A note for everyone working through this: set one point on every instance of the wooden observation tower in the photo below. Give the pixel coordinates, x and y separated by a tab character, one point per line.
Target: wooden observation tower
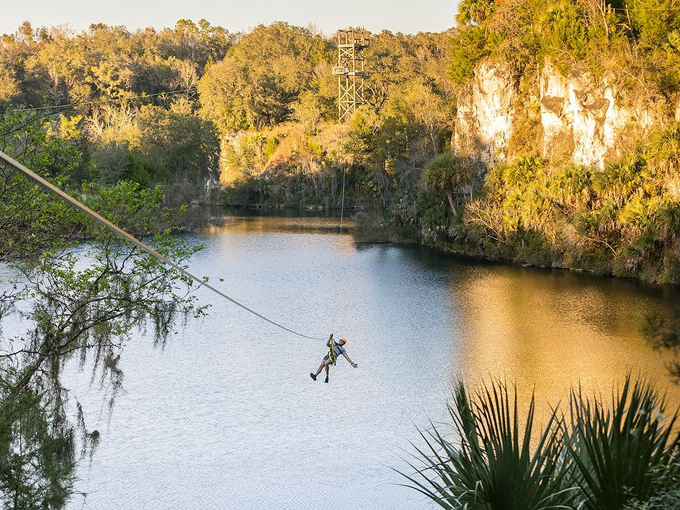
350	70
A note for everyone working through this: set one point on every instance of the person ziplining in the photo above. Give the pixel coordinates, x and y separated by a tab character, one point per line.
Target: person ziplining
334	351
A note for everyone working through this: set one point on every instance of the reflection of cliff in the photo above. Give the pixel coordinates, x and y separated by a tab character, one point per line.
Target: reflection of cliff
293	225
579	116
548	332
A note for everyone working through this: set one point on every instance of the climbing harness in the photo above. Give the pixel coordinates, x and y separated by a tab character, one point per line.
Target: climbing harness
332	357
128	237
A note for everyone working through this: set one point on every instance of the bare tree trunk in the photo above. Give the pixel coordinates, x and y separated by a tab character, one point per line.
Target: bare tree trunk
449	195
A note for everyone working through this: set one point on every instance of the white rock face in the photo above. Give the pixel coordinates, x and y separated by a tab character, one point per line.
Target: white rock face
485	111
577	112
582	120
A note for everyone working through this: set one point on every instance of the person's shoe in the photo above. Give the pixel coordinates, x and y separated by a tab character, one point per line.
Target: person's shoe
311	374
326	379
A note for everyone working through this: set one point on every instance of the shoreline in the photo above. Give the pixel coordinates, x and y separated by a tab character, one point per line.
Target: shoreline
386	235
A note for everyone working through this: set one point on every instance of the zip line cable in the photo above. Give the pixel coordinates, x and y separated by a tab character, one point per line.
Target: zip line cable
342	214
64	106
101	101
122	233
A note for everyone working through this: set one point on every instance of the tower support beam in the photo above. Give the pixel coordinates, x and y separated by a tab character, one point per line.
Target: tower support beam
350	70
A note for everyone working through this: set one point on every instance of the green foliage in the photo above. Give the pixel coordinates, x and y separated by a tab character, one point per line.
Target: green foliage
248	191
621	220
248	153
119	124
449	174
474	12
321	189
387	142
665	490
430	213
641	34
495	467
468	47
615	449
398	62
653	21
124	128
70	310
36	451
183	146
389	146
564	27
601	458
29	219
56	66
259	82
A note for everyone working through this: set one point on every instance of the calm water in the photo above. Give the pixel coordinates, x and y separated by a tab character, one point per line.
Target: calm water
227	417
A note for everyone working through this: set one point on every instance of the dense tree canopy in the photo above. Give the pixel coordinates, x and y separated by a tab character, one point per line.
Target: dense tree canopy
262	77
57	66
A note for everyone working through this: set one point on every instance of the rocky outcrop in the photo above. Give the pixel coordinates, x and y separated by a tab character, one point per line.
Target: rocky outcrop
588	116
582	119
485	113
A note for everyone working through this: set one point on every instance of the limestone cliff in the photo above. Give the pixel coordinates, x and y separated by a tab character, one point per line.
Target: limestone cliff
485	113
582	119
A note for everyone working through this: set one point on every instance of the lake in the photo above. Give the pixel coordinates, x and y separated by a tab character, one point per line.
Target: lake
227	417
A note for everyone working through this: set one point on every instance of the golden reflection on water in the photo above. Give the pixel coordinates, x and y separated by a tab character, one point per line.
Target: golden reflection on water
292	225
276	224
548	331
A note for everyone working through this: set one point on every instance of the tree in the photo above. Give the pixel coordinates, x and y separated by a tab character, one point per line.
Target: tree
474	12
450	174
9	87
261	78
62	57
201	44
70	311
182	146
429	109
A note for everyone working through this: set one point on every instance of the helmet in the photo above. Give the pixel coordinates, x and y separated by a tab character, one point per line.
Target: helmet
343	340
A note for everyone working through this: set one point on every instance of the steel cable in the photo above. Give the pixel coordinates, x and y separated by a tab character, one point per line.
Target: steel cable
123	234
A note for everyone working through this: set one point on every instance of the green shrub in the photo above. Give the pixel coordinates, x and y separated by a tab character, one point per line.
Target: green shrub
616	449
665	490
601	458
495	466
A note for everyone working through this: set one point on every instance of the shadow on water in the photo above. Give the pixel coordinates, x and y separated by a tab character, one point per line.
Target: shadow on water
546	329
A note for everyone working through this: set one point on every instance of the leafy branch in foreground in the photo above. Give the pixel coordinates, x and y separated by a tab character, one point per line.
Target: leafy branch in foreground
494	467
78	302
601	458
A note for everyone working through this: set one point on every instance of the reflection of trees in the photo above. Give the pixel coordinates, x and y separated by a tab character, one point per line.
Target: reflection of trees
663	333
72	302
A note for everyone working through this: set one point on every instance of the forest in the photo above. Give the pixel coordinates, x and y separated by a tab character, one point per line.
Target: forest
250	120
141	124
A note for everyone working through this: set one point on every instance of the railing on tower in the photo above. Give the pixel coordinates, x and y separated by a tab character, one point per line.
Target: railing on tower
350	70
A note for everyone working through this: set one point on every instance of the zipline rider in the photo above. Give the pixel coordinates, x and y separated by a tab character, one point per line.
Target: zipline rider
334	350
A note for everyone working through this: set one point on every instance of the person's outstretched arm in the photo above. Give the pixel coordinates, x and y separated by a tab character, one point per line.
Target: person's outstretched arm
328	343
350	361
